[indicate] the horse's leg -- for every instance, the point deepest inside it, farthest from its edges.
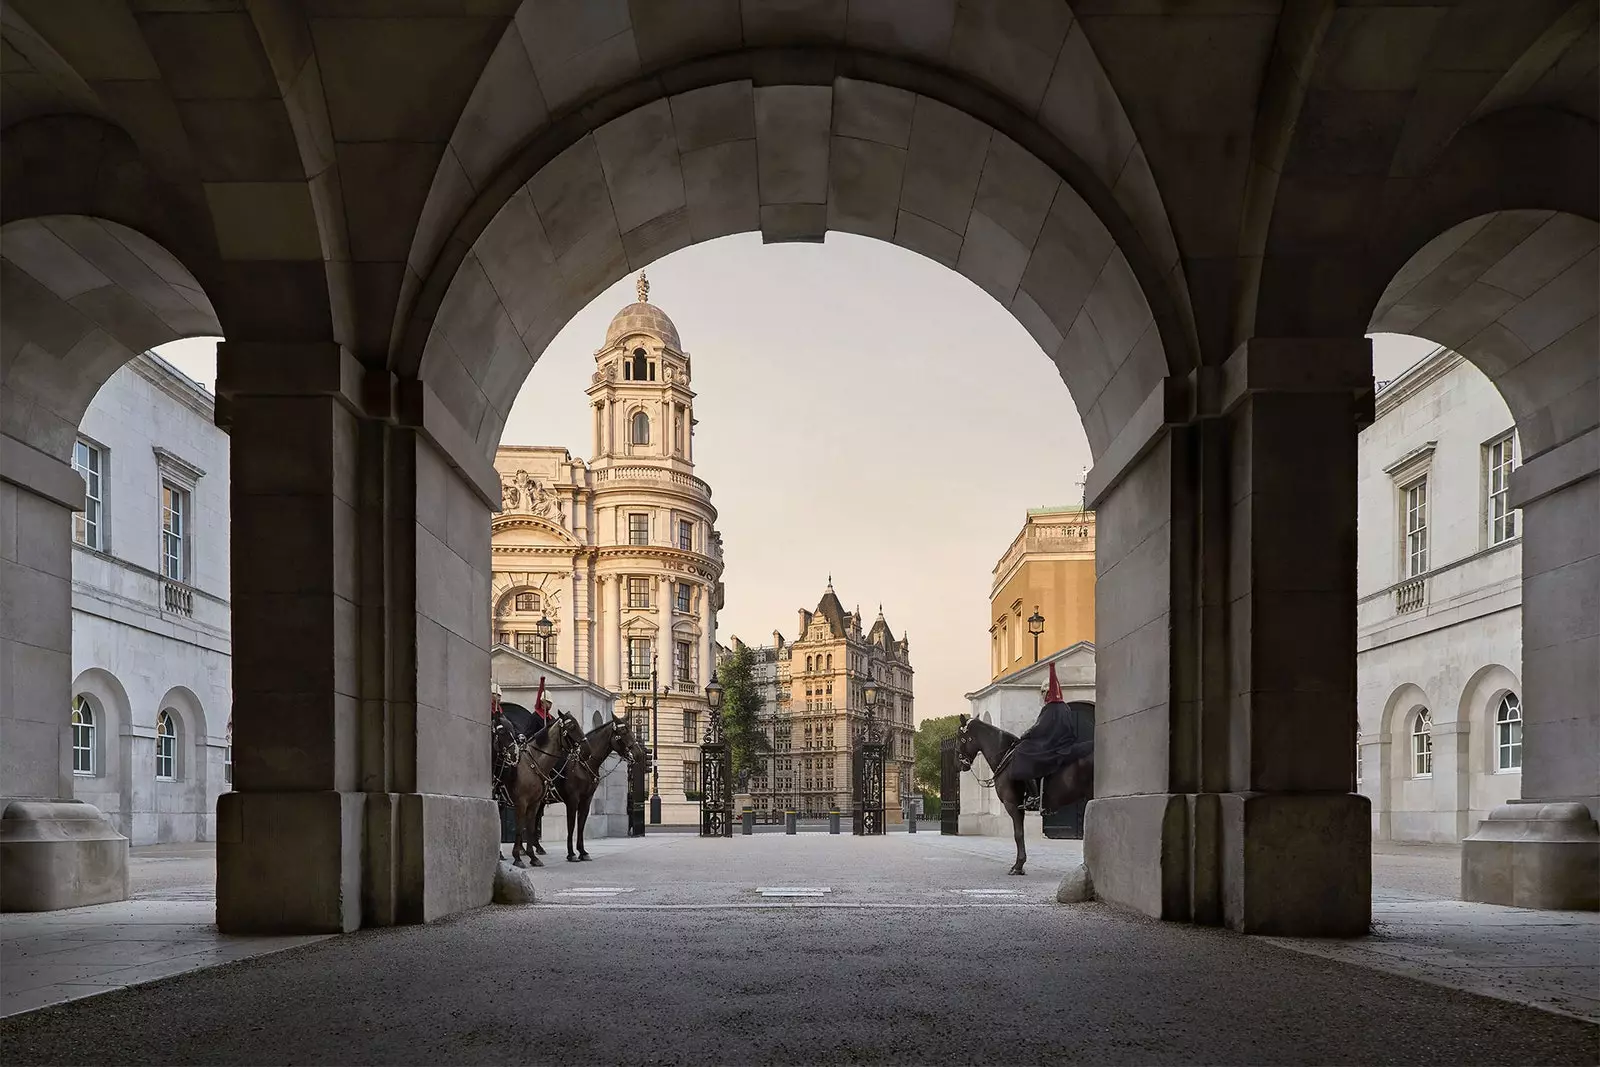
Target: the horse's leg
(572, 856)
(519, 806)
(583, 818)
(530, 816)
(538, 825)
(1014, 809)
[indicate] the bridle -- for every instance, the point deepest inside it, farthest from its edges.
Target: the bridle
(964, 761)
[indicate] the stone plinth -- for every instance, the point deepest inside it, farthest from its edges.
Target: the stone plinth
(59, 854)
(1534, 854)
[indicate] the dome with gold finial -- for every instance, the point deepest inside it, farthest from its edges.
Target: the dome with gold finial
(643, 317)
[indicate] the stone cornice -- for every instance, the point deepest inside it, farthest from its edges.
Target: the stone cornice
(170, 380)
(1414, 379)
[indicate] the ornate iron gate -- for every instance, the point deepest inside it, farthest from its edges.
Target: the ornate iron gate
(868, 817)
(949, 788)
(716, 781)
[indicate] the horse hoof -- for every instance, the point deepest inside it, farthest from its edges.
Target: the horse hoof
(537, 850)
(572, 859)
(517, 863)
(583, 857)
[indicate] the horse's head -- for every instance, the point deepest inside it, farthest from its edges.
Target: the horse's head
(569, 735)
(625, 744)
(966, 743)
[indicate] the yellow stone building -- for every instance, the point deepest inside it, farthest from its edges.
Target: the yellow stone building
(1048, 569)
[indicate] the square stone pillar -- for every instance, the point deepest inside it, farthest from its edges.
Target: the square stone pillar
(1544, 850)
(1226, 726)
(360, 629)
(55, 852)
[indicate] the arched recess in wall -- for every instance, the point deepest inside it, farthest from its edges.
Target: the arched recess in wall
(1395, 728)
(1480, 700)
(795, 161)
(109, 701)
(193, 739)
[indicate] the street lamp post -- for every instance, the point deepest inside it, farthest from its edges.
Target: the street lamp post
(716, 771)
(655, 750)
(1036, 627)
(545, 628)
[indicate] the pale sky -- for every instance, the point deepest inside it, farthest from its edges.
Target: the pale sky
(863, 412)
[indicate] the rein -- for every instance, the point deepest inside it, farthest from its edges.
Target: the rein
(999, 766)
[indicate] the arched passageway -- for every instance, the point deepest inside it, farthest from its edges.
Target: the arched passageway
(392, 217)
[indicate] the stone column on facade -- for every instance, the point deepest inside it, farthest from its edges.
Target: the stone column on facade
(611, 620)
(1542, 851)
(360, 573)
(595, 437)
(1226, 723)
(55, 852)
(661, 599)
(569, 653)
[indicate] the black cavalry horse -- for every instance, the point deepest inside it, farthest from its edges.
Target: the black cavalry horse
(1049, 753)
(581, 778)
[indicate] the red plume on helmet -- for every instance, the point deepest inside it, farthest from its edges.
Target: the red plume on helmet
(1053, 694)
(540, 704)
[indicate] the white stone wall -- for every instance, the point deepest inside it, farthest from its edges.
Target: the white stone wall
(1458, 651)
(132, 655)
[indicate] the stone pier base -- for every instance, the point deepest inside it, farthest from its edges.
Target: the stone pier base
(1534, 854)
(1285, 864)
(59, 854)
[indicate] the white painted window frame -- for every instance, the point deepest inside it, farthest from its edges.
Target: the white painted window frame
(83, 738)
(1422, 744)
(167, 745)
(89, 525)
(1503, 726)
(1500, 458)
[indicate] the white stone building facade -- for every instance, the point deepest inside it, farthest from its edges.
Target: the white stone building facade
(620, 553)
(149, 729)
(1439, 644)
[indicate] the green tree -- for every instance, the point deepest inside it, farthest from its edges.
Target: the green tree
(741, 709)
(930, 732)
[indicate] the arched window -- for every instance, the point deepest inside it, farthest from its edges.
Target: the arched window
(227, 756)
(1508, 734)
(640, 365)
(641, 429)
(82, 737)
(1422, 745)
(808, 664)
(166, 747)
(527, 602)
(830, 661)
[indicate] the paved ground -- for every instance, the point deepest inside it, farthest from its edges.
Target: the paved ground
(906, 949)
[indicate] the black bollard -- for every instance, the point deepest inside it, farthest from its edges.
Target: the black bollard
(833, 822)
(789, 822)
(747, 819)
(911, 822)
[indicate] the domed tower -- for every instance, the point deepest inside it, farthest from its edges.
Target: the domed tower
(658, 556)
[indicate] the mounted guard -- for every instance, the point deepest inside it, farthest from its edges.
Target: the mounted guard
(1053, 759)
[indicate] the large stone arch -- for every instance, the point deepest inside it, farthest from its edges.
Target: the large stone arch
(793, 161)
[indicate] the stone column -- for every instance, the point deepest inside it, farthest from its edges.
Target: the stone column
(1543, 851)
(54, 851)
(1226, 645)
(360, 578)
(661, 600)
(612, 622)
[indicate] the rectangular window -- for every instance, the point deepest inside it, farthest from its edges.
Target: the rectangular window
(1500, 459)
(1416, 539)
(691, 727)
(87, 525)
(638, 592)
(174, 531)
(691, 777)
(686, 535)
(641, 727)
(638, 657)
(638, 528)
(683, 596)
(528, 644)
(680, 661)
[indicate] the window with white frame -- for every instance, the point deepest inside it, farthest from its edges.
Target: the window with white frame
(1508, 734)
(638, 657)
(681, 654)
(174, 532)
(1422, 745)
(227, 756)
(683, 596)
(639, 528)
(1416, 528)
(82, 737)
(1499, 460)
(638, 592)
(166, 747)
(1359, 763)
(88, 525)
(686, 535)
